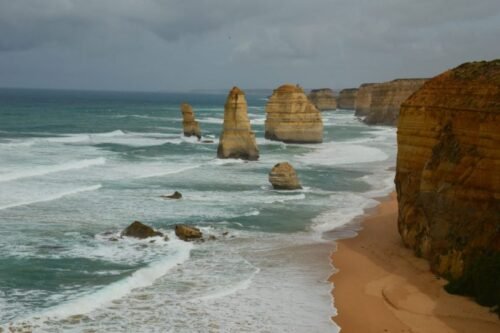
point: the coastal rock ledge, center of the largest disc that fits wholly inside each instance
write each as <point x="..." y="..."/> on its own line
<point x="284" y="177"/>
<point x="324" y="99"/>
<point x="237" y="139"/>
<point x="291" y="117"/>
<point x="448" y="177"/>
<point x="189" y="124"/>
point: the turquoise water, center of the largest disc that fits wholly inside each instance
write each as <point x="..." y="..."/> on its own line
<point x="78" y="167"/>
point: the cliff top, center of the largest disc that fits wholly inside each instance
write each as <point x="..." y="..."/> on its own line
<point x="289" y="88"/>
<point x="478" y="71"/>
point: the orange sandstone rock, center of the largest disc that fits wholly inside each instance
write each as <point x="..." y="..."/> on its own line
<point x="291" y="117"/>
<point x="324" y="99"/>
<point x="189" y="124"/>
<point x="448" y="168"/>
<point x="237" y="139"/>
<point x="347" y="99"/>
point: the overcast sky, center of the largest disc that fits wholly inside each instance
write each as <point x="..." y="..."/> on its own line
<point x="188" y="44"/>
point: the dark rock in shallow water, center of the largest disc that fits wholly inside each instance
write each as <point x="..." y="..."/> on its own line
<point x="175" y="195"/>
<point x="187" y="233"/>
<point x="140" y="230"/>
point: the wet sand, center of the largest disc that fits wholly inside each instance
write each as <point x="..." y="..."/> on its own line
<point x="382" y="287"/>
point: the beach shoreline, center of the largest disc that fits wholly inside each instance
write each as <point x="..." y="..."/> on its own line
<point x="380" y="286"/>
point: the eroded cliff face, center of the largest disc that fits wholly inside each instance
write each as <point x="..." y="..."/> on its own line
<point x="291" y="117"/>
<point x="189" y="124"/>
<point x="386" y="100"/>
<point x="448" y="172"/>
<point x="323" y="99"/>
<point x="347" y="99"/>
<point x="237" y="139"/>
<point x="363" y="99"/>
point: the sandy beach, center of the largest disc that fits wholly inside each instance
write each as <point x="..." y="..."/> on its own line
<point x="382" y="287"/>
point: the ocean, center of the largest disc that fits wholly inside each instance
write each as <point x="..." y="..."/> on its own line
<point x="77" y="167"/>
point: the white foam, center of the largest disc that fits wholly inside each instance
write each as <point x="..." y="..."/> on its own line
<point x="52" y="197"/>
<point x="211" y="120"/>
<point x="166" y="172"/>
<point x="347" y="206"/>
<point x="143" y="277"/>
<point x="46" y="169"/>
<point x="229" y="290"/>
<point x="337" y="153"/>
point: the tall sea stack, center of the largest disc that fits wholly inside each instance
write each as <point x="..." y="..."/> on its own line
<point x="448" y="177"/>
<point x="291" y="117"/>
<point x="237" y="139"/>
<point x="189" y="124"/>
<point x="364" y="99"/>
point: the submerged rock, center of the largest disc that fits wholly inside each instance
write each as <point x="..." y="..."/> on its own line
<point x="189" y="124"/>
<point x="175" y="195"/>
<point x="139" y="230"/>
<point x="237" y="139"/>
<point x="284" y="177"/>
<point x="324" y="99"/>
<point x="291" y="117"/>
<point x="187" y="233"/>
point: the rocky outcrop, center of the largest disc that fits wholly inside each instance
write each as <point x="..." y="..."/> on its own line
<point x="175" y="195"/>
<point x="363" y="99"/>
<point x="448" y="176"/>
<point x="140" y="230"/>
<point x="187" y="233"/>
<point x="323" y="99"/>
<point x="284" y="177"/>
<point x="237" y="139"/>
<point x="386" y="100"/>
<point x="189" y="124"/>
<point x="291" y="117"/>
<point x="347" y="99"/>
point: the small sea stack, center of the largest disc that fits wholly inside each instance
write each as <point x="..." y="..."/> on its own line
<point x="237" y="139"/>
<point x="291" y="117"/>
<point x="189" y="124"/>
<point x="140" y="230"/>
<point x="323" y="99"/>
<point x="284" y="177"/>
<point x="347" y="99"/>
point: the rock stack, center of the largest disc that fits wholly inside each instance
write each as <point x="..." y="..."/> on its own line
<point x="364" y="99"/>
<point x="448" y="177"/>
<point x="324" y="99"/>
<point x="189" y="124"/>
<point x="237" y="139"/>
<point x="386" y="100"/>
<point x="291" y="117"/>
<point x="284" y="177"/>
<point x="347" y="99"/>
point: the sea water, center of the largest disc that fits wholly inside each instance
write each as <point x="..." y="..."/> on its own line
<point x="77" y="167"/>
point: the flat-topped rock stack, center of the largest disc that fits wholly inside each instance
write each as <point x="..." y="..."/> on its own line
<point x="291" y="117"/>
<point x="347" y="99"/>
<point x="189" y="124"/>
<point x="386" y="100"/>
<point x="448" y="177"/>
<point x="237" y="139"/>
<point x="324" y="99"/>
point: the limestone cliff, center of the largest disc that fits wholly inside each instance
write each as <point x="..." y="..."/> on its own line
<point x="189" y="124"/>
<point x="363" y="99"/>
<point x="347" y="99"/>
<point x="284" y="177"/>
<point x="291" y="117"/>
<point x="323" y="99"/>
<point x="448" y="176"/>
<point x="386" y="100"/>
<point x="237" y="139"/>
